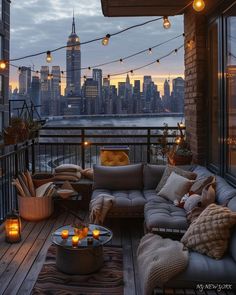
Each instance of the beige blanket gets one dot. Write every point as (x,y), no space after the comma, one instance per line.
(159,260)
(99,208)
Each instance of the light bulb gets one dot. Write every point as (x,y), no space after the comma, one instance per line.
(121,60)
(62,73)
(150,50)
(105,40)
(198,5)
(175,51)
(59,83)
(85,78)
(19,70)
(49,56)
(108,77)
(132,72)
(89,68)
(3,65)
(158,61)
(50,77)
(166,22)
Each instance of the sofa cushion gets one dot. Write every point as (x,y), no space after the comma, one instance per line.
(152,175)
(202,269)
(126,200)
(164,214)
(224,191)
(209,234)
(118,178)
(169,169)
(232,246)
(152,195)
(175,187)
(199,184)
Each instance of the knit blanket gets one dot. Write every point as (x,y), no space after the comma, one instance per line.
(99,207)
(159,260)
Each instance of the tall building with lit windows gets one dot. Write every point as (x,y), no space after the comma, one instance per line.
(73,64)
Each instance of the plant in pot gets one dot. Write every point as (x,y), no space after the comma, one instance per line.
(16,132)
(180,153)
(34,127)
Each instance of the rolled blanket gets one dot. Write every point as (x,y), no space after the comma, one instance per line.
(99,208)
(159,260)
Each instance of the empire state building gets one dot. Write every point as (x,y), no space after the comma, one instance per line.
(73,64)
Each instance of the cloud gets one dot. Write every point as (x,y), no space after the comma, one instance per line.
(39,25)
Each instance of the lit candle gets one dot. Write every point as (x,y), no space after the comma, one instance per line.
(85,231)
(75,241)
(13,233)
(96,233)
(65,234)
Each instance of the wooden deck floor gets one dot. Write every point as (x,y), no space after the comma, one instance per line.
(21,263)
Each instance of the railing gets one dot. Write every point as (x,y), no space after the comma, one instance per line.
(77,145)
(14,159)
(81,145)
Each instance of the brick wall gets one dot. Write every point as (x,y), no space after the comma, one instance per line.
(196,83)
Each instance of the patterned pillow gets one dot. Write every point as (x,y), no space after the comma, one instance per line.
(169,169)
(209,234)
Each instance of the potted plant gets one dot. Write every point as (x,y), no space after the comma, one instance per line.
(34,127)
(180,153)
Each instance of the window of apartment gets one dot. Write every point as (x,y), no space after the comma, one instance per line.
(230,69)
(213,69)
(1,6)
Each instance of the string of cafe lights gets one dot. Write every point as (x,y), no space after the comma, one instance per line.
(198,5)
(131,71)
(148,50)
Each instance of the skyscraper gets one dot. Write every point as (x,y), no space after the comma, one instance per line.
(91,96)
(45,94)
(25,81)
(146,87)
(55,91)
(73,64)
(178,95)
(97,76)
(35,92)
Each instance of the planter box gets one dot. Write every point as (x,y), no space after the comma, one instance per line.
(35,209)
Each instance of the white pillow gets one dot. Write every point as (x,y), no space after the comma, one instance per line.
(176,187)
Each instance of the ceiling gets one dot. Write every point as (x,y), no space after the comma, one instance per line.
(147,7)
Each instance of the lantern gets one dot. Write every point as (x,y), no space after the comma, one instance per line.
(13,228)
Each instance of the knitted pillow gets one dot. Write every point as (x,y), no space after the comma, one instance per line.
(209,234)
(169,169)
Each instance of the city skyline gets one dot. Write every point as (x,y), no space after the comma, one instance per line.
(90,23)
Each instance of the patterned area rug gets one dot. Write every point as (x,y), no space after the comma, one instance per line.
(107,281)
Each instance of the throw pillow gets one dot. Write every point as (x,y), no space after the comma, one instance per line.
(169,169)
(176,187)
(192,202)
(209,234)
(208,194)
(199,185)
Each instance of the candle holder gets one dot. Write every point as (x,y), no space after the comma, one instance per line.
(96,233)
(13,227)
(75,241)
(65,234)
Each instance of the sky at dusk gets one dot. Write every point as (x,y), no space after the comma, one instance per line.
(39,25)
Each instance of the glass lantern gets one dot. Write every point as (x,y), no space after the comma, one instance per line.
(13,227)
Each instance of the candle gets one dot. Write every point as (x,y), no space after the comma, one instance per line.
(75,241)
(85,231)
(65,234)
(96,233)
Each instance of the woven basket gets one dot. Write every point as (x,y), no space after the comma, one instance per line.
(35,209)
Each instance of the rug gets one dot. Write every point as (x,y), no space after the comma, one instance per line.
(107,281)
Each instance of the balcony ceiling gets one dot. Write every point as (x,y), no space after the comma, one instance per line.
(147,7)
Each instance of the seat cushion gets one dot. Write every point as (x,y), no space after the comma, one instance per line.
(152,175)
(126,200)
(203,269)
(164,214)
(118,178)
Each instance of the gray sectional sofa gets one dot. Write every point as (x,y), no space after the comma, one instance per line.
(134,189)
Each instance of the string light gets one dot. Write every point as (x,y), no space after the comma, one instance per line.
(131,72)
(175,51)
(190,44)
(62,73)
(158,61)
(59,83)
(50,77)
(150,50)
(106,39)
(19,70)
(49,57)
(108,77)
(89,68)
(166,22)
(85,78)
(198,5)
(121,60)
(3,64)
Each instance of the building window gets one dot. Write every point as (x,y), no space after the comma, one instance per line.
(1,6)
(1,89)
(231,93)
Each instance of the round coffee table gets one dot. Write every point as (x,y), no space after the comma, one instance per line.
(84,258)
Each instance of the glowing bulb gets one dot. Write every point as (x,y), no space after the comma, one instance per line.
(85,78)
(3,65)
(50,76)
(150,51)
(166,22)
(105,40)
(198,5)
(49,57)
(108,77)
(86,143)
(181,125)
(89,68)
(62,73)
(132,72)
(59,82)
(178,140)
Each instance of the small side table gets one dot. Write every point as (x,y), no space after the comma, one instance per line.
(86,257)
